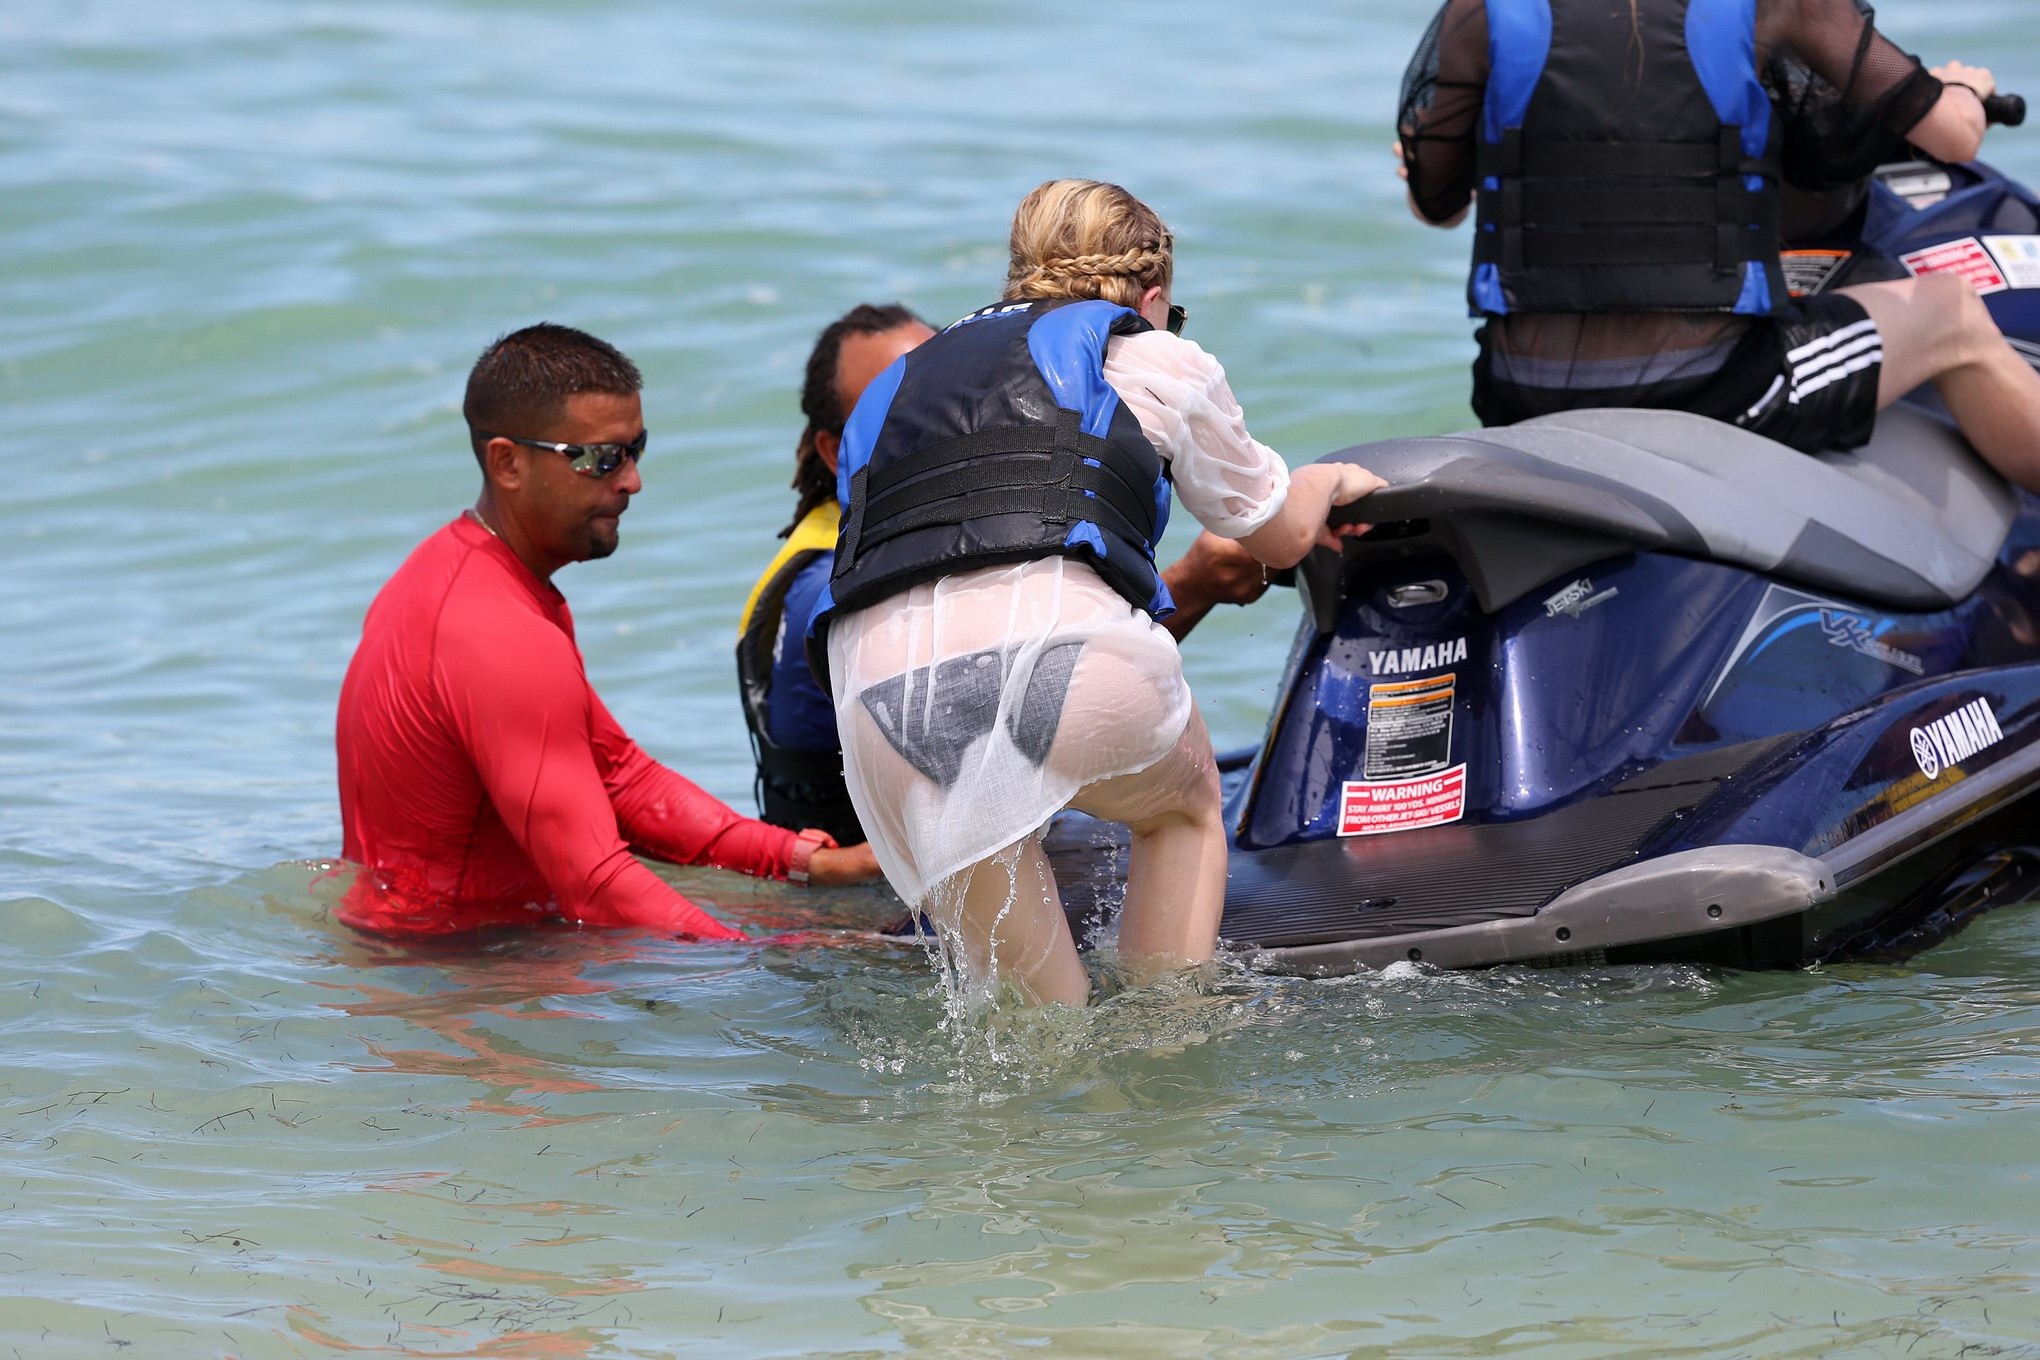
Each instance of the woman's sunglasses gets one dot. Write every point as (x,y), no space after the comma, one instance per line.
(590,460)
(1177,318)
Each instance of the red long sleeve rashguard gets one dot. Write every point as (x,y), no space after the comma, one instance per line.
(482,782)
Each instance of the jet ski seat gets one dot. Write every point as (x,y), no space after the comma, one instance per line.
(1913,520)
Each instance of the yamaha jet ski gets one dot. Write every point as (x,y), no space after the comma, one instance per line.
(1634,686)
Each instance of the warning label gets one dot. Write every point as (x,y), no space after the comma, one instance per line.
(2018,258)
(1966,257)
(1372,809)
(1409,727)
(1808,272)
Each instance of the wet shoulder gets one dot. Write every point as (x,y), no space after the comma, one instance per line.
(1163,350)
(1164,357)
(484,604)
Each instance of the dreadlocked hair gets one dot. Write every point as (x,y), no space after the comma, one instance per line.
(822,404)
(1079,238)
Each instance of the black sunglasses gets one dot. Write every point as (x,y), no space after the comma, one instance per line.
(590,460)
(1177,318)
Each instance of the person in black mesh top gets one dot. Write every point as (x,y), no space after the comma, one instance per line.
(1627,167)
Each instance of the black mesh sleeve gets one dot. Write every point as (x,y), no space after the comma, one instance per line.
(1441,101)
(1420,79)
(1846,94)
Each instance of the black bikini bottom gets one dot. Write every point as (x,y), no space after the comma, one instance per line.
(932,715)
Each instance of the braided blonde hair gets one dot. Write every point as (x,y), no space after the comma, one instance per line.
(1079,238)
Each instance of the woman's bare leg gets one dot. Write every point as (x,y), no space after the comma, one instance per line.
(1175,886)
(1005,915)
(1936,329)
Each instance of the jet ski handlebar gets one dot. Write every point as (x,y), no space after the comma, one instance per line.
(2005,110)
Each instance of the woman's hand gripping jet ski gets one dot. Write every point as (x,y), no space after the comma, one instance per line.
(1636,686)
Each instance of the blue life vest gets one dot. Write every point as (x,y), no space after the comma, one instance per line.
(998,440)
(1628,161)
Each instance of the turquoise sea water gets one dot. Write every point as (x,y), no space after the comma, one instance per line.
(247,251)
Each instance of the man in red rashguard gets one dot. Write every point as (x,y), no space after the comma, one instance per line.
(482,782)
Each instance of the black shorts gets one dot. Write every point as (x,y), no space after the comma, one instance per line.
(1806,378)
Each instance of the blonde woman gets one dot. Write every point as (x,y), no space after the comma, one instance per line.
(989,628)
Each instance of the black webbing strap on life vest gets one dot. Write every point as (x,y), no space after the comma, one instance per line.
(1056,473)
(795,788)
(754,685)
(798,767)
(1573,204)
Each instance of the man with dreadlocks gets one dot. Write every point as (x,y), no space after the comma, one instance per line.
(792,722)
(1628,168)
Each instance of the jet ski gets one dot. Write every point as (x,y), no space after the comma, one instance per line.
(1627,686)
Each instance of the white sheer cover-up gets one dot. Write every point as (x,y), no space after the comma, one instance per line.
(993,759)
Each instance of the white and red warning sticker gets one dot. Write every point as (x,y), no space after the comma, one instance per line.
(1375,807)
(2018,259)
(1966,257)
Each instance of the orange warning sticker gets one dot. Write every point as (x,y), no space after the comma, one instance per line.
(1810,271)
(1375,807)
(1966,257)
(1409,727)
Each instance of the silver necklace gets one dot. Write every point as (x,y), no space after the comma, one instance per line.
(476,516)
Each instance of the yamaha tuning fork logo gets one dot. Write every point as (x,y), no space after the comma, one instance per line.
(1949,740)
(1923,751)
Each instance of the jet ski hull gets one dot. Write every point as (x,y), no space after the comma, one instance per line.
(1660,759)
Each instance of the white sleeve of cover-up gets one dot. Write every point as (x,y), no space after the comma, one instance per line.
(1229,480)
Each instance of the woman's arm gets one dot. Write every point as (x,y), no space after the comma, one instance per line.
(1236,486)
(1303,522)
(1877,82)
(1953,129)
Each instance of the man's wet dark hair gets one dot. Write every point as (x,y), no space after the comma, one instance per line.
(521,383)
(822,404)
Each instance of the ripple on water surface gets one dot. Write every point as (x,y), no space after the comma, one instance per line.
(243,1124)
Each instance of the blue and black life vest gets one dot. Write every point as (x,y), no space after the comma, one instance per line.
(796,788)
(998,440)
(1628,161)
